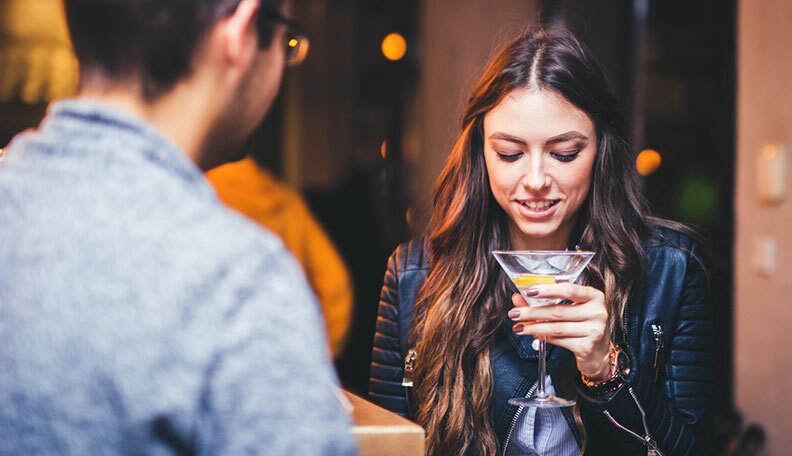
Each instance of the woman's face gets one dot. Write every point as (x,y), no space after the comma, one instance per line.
(539,150)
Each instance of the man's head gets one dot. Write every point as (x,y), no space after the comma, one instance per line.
(151,41)
(223,58)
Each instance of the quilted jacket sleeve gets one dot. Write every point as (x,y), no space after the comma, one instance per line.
(679,398)
(387,371)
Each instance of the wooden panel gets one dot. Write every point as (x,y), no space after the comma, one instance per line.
(383,433)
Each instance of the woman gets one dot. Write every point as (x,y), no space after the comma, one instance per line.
(543,163)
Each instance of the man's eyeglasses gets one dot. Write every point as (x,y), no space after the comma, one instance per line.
(297,43)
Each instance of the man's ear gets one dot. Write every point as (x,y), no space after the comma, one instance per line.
(238,35)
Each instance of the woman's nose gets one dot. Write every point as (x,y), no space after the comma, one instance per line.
(535,177)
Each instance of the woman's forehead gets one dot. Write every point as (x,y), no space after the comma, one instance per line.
(535,115)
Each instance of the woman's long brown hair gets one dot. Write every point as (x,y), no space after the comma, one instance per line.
(465,297)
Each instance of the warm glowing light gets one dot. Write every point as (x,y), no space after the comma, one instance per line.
(394,46)
(292,42)
(2,151)
(37,64)
(384,149)
(769,152)
(647,162)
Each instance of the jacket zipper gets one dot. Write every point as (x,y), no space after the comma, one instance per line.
(647,440)
(516,417)
(659,358)
(409,368)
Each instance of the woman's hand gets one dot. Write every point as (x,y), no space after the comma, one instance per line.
(581,327)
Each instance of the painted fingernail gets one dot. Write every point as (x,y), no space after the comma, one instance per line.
(517,328)
(514,313)
(532,292)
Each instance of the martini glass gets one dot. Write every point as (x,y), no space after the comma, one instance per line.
(527,268)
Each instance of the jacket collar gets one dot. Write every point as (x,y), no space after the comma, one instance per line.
(98,122)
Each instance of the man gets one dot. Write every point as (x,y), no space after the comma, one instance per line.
(137,315)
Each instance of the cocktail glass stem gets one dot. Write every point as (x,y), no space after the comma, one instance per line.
(540,391)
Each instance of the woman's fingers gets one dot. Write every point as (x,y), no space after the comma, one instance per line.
(581,339)
(558,312)
(559,329)
(589,310)
(518,300)
(580,328)
(589,304)
(570,291)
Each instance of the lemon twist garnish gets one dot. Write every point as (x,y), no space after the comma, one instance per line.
(531,279)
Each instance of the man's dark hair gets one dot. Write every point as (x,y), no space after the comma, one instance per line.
(150,40)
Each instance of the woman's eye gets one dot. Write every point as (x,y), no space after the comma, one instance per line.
(509,157)
(566,156)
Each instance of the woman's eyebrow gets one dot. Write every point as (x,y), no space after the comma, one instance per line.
(555,139)
(508,137)
(566,137)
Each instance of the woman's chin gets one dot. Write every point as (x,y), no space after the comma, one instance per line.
(538,232)
(539,239)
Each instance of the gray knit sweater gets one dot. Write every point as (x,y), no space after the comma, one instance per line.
(138,315)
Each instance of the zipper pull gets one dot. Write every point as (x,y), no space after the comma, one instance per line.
(409,368)
(659,359)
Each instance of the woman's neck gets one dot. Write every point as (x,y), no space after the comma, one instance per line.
(555,241)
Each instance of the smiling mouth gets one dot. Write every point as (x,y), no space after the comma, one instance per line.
(538,206)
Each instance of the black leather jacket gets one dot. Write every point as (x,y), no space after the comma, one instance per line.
(669,336)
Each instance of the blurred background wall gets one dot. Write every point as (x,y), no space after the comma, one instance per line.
(763,241)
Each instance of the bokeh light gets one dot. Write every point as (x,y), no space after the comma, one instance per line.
(647,162)
(394,46)
(697,200)
(769,151)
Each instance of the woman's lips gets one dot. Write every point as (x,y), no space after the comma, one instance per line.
(537,209)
